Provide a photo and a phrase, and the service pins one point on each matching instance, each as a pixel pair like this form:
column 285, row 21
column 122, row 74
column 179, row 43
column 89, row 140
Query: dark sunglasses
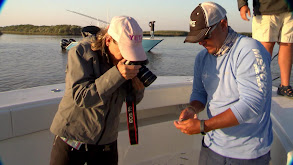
column 209, row 35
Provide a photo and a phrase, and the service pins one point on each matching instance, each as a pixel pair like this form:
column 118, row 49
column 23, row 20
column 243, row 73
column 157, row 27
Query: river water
column 36, row 60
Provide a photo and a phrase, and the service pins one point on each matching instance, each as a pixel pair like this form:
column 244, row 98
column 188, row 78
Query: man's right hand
column 243, row 11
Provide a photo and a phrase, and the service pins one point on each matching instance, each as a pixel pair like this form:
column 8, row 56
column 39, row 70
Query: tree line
column 68, row 30
column 75, row 30
column 42, row 30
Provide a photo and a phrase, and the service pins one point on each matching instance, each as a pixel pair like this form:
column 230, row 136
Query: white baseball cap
column 126, row 31
column 202, row 18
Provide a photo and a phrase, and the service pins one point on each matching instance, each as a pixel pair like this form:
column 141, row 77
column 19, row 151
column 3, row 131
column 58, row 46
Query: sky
column 168, row 14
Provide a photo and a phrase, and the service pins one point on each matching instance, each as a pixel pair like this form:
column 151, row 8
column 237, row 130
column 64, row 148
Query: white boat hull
column 26, row 115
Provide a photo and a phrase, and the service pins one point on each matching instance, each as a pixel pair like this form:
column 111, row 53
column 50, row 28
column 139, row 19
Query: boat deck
column 25, row 116
column 181, row 149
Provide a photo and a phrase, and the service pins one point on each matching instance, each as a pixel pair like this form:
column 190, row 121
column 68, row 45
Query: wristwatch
column 202, row 127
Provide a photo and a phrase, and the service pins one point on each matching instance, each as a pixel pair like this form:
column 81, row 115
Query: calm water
column 36, row 60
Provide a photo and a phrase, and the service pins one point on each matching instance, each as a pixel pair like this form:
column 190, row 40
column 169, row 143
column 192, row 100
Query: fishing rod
column 105, row 22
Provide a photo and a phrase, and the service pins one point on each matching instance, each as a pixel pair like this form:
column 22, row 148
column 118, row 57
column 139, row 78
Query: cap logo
column 136, row 38
column 192, row 23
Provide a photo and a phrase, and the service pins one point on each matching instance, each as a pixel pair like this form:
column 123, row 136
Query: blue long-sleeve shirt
column 239, row 80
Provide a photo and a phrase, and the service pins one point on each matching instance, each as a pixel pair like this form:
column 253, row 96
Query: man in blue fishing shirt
column 232, row 80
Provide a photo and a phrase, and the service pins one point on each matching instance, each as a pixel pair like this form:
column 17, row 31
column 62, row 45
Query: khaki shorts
column 273, row 28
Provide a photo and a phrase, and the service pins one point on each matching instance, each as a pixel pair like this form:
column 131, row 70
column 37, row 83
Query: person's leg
column 266, row 30
column 63, row 154
column 209, row 157
column 152, row 34
column 100, row 155
column 269, row 46
column 59, row 153
column 286, row 54
column 262, row 160
column 285, row 62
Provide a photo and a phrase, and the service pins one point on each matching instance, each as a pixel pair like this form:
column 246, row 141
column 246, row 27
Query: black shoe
column 285, row 91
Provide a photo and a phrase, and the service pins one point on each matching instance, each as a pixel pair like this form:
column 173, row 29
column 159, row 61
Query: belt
column 94, row 147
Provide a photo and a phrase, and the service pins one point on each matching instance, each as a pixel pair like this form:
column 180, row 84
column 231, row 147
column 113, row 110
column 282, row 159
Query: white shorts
column 273, row 28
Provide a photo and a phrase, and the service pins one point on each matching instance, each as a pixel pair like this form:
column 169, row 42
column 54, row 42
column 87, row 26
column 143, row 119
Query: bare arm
column 223, row 120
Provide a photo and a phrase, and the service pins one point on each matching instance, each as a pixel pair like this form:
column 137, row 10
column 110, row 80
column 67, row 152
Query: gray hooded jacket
column 94, row 93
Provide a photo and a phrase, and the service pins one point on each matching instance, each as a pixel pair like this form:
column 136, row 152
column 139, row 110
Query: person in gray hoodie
column 86, row 123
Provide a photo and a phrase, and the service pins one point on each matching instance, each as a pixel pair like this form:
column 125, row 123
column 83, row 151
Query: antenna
column 89, row 17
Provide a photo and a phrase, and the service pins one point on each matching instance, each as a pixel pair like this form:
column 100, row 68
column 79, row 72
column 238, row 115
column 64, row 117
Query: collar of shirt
column 228, row 43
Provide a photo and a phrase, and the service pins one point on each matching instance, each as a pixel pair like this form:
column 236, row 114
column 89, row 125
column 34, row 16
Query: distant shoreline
column 145, row 33
column 75, row 30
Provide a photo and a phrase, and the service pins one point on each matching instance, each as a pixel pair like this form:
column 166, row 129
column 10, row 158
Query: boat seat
column 89, row 30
